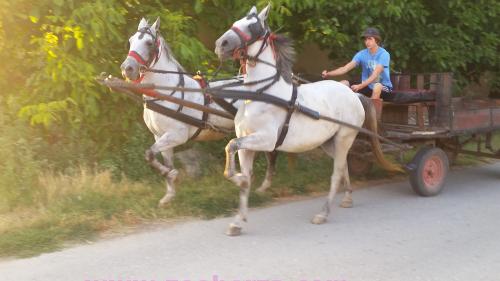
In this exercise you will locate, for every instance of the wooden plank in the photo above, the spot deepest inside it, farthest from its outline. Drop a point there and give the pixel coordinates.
(433, 81)
(443, 100)
(420, 81)
(495, 117)
(420, 117)
(395, 81)
(395, 114)
(471, 120)
(404, 82)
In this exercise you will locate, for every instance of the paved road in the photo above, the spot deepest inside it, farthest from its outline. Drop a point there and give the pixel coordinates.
(390, 234)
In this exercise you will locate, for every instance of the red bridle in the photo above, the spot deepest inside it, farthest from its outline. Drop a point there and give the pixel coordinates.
(242, 52)
(242, 34)
(137, 57)
(142, 62)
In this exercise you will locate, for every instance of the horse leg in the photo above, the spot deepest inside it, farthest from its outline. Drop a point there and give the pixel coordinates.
(270, 172)
(246, 158)
(165, 145)
(168, 156)
(337, 147)
(231, 149)
(347, 200)
(254, 142)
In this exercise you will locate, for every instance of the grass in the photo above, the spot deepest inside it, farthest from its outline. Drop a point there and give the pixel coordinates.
(77, 207)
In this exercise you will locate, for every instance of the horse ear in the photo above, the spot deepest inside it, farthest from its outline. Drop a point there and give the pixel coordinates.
(265, 13)
(253, 11)
(156, 25)
(143, 23)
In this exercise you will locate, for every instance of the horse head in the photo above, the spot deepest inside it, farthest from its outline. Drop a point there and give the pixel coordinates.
(144, 50)
(243, 33)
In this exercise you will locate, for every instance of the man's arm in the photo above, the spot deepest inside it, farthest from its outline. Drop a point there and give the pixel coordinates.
(339, 71)
(376, 72)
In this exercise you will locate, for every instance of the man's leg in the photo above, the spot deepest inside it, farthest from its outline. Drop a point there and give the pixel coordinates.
(377, 102)
(377, 90)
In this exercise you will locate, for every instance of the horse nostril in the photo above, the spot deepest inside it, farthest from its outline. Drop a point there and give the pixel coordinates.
(129, 69)
(224, 43)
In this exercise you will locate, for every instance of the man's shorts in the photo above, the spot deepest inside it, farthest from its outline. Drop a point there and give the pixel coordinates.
(385, 95)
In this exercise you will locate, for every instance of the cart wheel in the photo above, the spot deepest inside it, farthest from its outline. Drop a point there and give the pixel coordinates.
(358, 165)
(428, 171)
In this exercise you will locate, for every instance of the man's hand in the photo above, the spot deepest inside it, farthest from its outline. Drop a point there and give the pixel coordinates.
(324, 74)
(356, 88)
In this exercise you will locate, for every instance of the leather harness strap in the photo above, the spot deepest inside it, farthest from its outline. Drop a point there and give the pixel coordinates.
(204, 118)
(181, 85)
(291, 109)
(179, 116)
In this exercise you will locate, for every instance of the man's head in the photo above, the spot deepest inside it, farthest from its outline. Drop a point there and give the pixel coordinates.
(372, 37)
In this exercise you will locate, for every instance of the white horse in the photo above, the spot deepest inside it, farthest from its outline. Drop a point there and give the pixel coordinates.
(258, 125)
(148, 49)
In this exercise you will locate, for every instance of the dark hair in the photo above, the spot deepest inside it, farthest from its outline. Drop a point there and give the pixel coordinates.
(372, 32)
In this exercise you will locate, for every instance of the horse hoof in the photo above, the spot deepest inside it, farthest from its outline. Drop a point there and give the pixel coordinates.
(149, 155)
(346, 204)
(263, 187)
(240, 180)
(318, 219)
(233, 230)
(227, 174)
(261, 190)
(164, 202)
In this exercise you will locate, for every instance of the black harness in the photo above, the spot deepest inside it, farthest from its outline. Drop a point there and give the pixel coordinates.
(152, 104)
(181, 117)
(258, 31)
(291, 109)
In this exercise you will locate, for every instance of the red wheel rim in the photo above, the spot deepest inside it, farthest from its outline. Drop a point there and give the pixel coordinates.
(433, 172)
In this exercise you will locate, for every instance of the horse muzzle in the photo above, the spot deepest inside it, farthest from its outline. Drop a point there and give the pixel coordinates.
(130, 69)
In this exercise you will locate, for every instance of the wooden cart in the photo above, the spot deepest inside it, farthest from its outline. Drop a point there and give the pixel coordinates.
(425, 115)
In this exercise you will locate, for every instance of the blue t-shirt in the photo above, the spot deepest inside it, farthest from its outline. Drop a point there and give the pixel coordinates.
(368, 63)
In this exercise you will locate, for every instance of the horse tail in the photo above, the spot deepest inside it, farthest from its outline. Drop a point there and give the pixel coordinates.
(372, 125)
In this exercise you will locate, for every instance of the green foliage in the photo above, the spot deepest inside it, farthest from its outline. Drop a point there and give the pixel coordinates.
(53, 116)
(51, 53)
(422, 36)
(19, 167)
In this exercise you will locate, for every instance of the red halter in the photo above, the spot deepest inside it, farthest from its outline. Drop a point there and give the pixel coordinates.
(242, 34)
(154, 58)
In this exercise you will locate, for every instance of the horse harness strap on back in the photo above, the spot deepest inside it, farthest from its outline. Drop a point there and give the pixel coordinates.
(291, 109)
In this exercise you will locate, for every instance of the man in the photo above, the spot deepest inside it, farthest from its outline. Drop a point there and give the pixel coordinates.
(374, 61)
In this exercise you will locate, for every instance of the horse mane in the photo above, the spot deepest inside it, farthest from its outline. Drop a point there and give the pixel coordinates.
(167, 50)
(168, 53)
(285, 56)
